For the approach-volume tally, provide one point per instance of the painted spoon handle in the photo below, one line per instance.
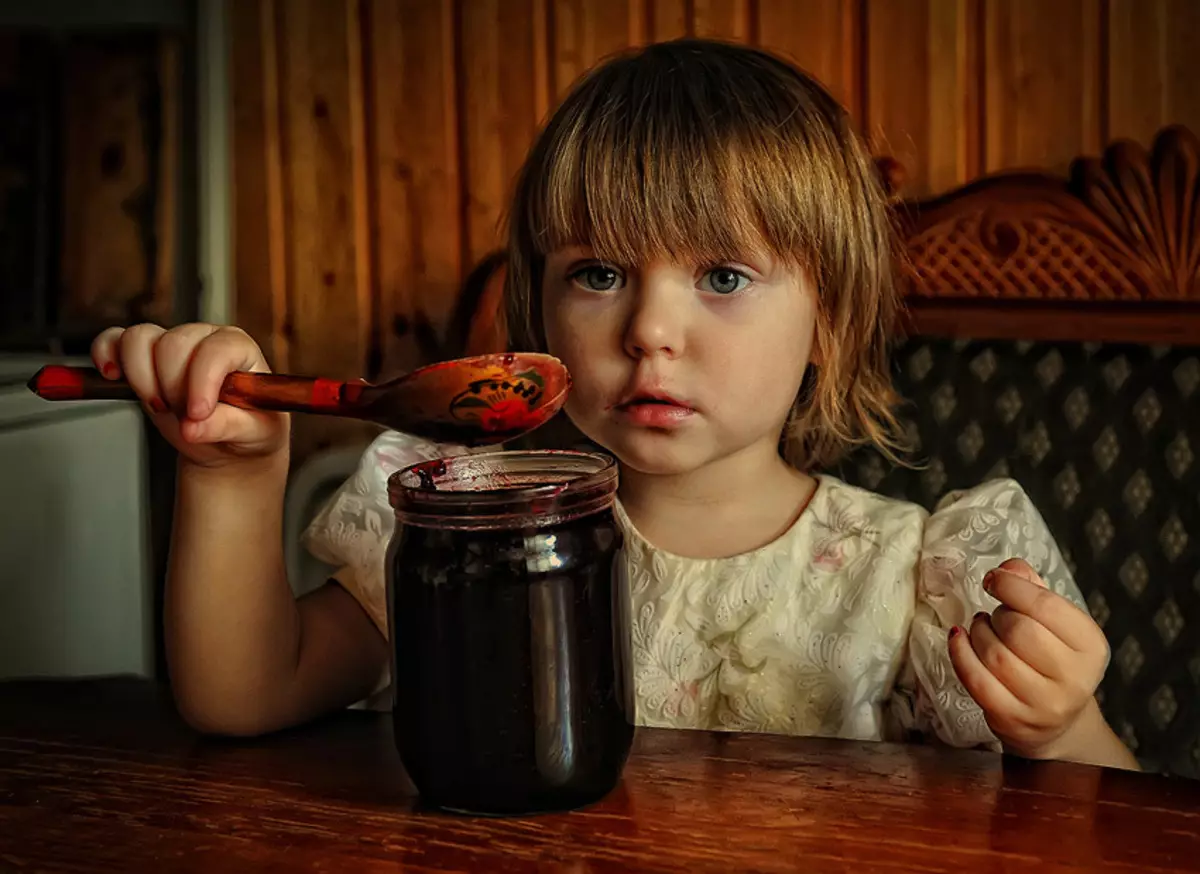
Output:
(258, 391)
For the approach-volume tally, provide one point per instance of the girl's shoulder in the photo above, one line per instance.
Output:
(998, 502)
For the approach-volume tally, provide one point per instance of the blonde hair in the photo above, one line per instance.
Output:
(699, 151)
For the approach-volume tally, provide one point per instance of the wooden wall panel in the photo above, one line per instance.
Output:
(823, 37)
(722, 19)
(258, 244)
(415, 167)
(327, 317)
(585, 32)
(1153, 67)
(667, 19)
(105, 265)
(1043, 83)
(923, 104)
(501, 76)
(376, 142)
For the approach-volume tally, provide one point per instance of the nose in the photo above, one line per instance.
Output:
(656, 320)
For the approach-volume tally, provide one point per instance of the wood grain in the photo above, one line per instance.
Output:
(585, 32)
(259, 252)
(923, 90)
(418, 240)
(102, 776)
(106, 272)
(822, 37)
(722, 19)
(1042, 83)
(667, 19)
(1154, 65)
(499, 107)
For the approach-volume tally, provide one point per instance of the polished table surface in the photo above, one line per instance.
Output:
(103, 776)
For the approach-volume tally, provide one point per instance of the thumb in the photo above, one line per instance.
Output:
(1022, 568)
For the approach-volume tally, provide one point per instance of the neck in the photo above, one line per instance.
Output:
(731, 505)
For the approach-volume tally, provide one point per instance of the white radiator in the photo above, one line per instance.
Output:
(75, 585)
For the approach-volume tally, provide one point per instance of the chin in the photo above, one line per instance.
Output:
(654, 453)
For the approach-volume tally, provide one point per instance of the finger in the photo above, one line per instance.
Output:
(172, 358)
(105, 352)
(1066, 621)
(221, 353)
(1033, 643)
(1022, 568)
(136, 357)
(1026, 684)
(989, 693)
(228, 424)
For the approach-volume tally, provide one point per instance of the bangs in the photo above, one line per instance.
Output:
(682, 155)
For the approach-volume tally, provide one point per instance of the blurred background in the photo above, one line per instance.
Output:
(329, 175)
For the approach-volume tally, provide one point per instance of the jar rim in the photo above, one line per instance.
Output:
(503, 489)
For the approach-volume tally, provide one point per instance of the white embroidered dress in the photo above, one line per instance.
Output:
(838, 628)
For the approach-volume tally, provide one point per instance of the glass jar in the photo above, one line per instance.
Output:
(509, 631)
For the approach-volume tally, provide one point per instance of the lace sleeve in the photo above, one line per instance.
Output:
(352, 530)
(969, 533)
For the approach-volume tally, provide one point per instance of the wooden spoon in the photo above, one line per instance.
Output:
(471, 401)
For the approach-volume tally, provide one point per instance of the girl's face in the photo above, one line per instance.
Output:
(677, 365)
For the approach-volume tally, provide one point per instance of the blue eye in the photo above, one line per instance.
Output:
(598, 277)
(724, 280)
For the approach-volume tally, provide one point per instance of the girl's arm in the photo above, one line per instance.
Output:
(245, 656)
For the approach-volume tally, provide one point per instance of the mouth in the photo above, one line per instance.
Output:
(646, 399)
(654, 410)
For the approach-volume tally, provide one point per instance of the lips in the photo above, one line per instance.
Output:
(654, 410)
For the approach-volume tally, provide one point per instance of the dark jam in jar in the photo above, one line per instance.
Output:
(510, 636)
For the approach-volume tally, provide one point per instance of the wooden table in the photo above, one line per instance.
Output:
(103, 776)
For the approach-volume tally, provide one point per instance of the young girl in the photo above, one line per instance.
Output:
(702, 239)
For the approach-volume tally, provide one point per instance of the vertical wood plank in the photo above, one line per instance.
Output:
(315, 88)
(415, 153)
(1154, 66)
(722, 19)
(499, 110)
(258, 235)
(586, 31)
(667, 20)
(106, 180)
(922, 105)
(166, 226)
(1043, 90)
(823, 38)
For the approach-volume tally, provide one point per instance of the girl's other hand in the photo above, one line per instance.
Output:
(1033, 665)
(177, 375)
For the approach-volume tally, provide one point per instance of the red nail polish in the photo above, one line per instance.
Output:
(989, 580)
(954, 631)
(157, 405)
(109, 370)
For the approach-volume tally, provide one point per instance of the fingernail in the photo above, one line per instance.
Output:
(989, 580)
(157, 405)
(109, 370)
(954, 631)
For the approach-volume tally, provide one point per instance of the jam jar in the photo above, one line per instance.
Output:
(509, 630)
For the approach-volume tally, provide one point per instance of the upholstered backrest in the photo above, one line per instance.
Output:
(1106, 440)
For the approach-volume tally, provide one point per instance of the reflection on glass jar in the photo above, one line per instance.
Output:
(510, 637)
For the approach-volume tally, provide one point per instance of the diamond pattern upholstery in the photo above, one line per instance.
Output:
(1105, 440)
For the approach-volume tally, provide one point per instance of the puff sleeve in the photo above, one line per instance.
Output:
(352, 530)
(969, 533)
